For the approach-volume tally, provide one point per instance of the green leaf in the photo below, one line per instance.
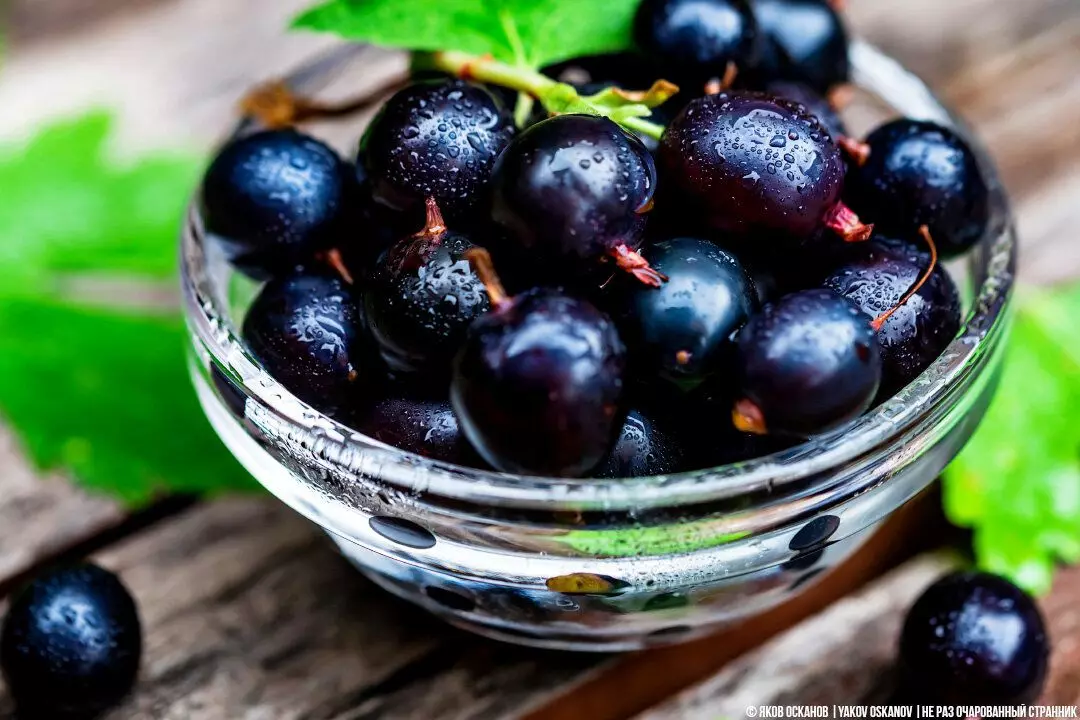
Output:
(630, 542)
(1017, 483)
(103, 392)
(531, 33)
(69, 208)
(108, 396)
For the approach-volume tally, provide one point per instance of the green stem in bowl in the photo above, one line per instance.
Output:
(629, 109)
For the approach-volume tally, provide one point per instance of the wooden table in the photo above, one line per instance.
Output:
(248, 611)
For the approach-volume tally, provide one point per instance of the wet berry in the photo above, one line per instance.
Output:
(71, 643)
(807, 363)
(973, 638)
(426, 427)
(920, 173)
(694, 41)
(422, 296)
(308, 332)
(538, 384)
(436, 139)
(275, 198)
(875, 276)
(752, 164)
(682, 331)
(804, 41)
(642, 449)
(815, 104)
(573, 192)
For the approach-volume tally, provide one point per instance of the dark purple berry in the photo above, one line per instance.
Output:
(574, 191)
(71, 643)
(275, 198)
(436, 139)
(538, 384)
(422, 296)
(815, 104)
(920, 173)
(643, 449)
(876, 276)
(805, 364)
(753, 164)
(694, 41)
(804, 41)
(422, 426)
(309, 333)
(682, 330)
(973, 638)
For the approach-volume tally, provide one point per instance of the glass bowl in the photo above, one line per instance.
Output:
(603, 564)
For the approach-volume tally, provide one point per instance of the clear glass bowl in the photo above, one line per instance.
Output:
(603, 564)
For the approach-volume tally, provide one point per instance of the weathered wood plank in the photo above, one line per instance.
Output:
(840, 655)
(249, 612)
(847, 653)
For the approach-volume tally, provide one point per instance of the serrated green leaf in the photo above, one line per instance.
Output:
(526, 32)
(101, 392)
(1017, 483)
(69, 208)
(108, 397)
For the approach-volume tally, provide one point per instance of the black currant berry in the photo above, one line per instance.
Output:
(920, 173)
(807, 363)
(682, 331)
(815, 104)
(754, 164)
(804, 41)
(973, 638)
(694, 41)
(439, 140)
(876, 276)
(643, 449)
(538, 383)
(275, 198)
(423, 426)
(71, 643)
(309, 333)
(575, 190)
(422, 296)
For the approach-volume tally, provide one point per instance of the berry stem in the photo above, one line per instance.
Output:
(532, 83)
(748, 418)
(845, 223)
(632, 262)
(337, 263)
(434, 225)
(858, 151)
(880, 320)
(840, 96)
(276, 106)
(719, 85)
(484, 267)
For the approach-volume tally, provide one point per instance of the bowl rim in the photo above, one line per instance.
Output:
(871, 436)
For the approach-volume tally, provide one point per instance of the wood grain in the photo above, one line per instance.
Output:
(249, 612)
(842, 655)
(846, 653)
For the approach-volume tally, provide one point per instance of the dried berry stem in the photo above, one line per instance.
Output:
(276, 106)
(632, 262)
(845, 223)
(484, 267)
(858, 151)
(434, 225)
(880, 320)
(747, 417)
(337, 263)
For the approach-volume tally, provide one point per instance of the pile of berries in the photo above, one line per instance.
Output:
(567, 299)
